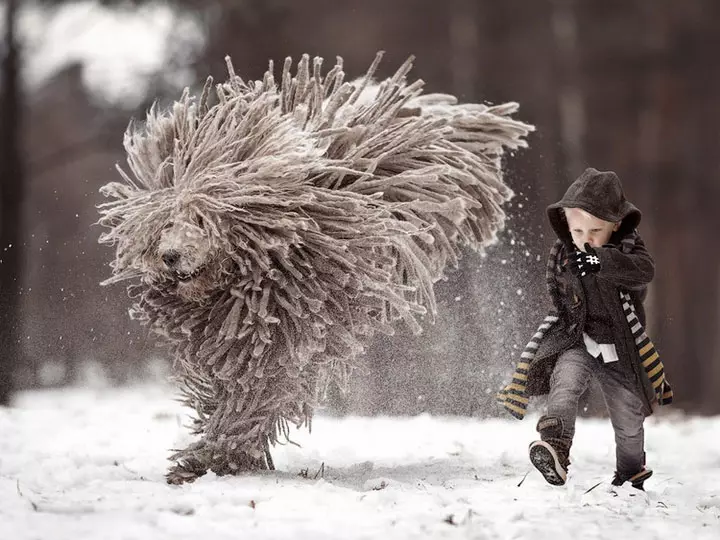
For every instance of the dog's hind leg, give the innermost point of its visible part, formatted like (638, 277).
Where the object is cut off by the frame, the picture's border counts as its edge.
(269, 460)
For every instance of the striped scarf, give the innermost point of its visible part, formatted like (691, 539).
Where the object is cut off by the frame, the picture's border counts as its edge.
(514, 396)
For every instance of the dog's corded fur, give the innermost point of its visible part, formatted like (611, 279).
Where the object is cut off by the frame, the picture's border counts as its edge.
(269, 234)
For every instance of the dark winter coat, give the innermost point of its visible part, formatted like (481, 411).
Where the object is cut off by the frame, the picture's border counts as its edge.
(626, 266)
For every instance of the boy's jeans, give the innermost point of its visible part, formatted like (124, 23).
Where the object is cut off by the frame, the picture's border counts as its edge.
(569, 380)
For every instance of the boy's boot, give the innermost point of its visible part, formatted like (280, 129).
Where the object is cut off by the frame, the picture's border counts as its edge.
(636, 480)
(551, 454)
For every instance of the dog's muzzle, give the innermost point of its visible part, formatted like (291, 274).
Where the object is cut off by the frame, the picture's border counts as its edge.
(171, 257)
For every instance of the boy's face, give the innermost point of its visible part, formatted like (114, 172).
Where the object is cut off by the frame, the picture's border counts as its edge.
(586, 228)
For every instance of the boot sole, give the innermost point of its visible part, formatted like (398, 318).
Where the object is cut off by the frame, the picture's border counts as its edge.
(638, 480)
(545, 460)
(641, 476)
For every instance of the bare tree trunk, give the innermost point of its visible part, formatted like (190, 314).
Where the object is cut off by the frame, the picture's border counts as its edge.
(464, 45)
(714, 405)
(11, 201)
(571, 104)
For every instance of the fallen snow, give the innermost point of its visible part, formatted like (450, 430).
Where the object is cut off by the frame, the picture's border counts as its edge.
(89, 464)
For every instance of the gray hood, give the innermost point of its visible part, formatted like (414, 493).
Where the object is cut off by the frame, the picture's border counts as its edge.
(599, 193)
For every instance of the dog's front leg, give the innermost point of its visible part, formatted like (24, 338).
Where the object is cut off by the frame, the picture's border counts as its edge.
(228, 446)
(190, 463)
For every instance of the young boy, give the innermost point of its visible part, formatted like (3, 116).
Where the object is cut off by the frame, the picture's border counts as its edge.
(597, 273)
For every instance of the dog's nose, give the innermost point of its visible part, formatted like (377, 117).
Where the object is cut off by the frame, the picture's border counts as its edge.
(171, 257)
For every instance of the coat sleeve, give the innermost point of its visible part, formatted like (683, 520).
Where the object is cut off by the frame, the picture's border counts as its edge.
(630, 271)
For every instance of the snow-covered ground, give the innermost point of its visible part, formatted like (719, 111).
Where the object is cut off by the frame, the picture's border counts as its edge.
(89, 464)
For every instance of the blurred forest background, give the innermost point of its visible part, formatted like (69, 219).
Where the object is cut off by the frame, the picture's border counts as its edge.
(627, 85)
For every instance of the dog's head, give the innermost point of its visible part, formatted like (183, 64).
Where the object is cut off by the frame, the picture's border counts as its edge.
(189, 218)
(188, 253)
(180, 241)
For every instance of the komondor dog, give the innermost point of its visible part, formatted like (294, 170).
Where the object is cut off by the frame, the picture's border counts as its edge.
(268, 230)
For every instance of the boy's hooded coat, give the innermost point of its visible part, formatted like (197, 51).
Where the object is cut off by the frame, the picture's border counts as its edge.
(625, 266)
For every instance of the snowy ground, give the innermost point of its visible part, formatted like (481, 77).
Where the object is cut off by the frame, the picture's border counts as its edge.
(89, 465)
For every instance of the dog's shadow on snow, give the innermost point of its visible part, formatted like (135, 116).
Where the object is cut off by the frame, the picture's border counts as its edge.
(447, 472)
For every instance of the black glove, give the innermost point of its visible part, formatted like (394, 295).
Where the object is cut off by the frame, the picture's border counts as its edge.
(582, 264)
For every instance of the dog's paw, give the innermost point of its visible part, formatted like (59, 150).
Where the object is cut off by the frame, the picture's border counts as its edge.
(179, 474)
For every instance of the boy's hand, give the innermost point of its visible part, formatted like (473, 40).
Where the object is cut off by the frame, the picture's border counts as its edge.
(582, 264)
